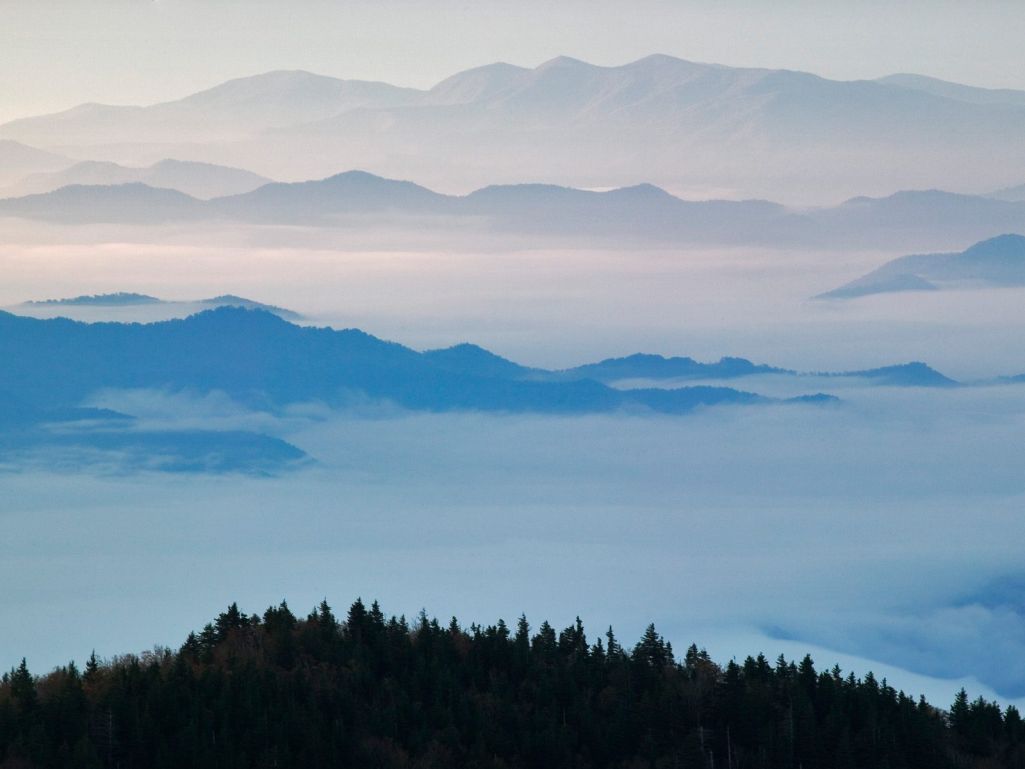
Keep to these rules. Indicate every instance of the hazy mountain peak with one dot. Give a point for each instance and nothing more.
(363, 182)
(119, 298)
(275, 81)
(231, 317)
(643, 190)
(357, 175)
(468, 358)
(664, 63)
(998, 261)
(200, 180)
(1007, 246)
(566, 62)
(913, 374)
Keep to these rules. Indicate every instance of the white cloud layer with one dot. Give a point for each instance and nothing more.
(875, 532)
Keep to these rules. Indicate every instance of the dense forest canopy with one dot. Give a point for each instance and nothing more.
(369, 691)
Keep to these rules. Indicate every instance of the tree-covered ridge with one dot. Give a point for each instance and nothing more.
(371, 691)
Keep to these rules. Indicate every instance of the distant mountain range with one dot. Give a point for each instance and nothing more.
(119, 299)
(129, 299)
(642, 213)
(265, 362)
(681, 125)
(261, 361)
(471, 359)
(998, 261)
(199, 180)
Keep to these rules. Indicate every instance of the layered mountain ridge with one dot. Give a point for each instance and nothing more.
(677, 123)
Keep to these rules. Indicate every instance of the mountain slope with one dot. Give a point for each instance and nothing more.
(915, 374)
(998, 261)
(133, 203)
(19, 160)
(470, 359)
(199, 180)
(345, 193)
(229, 111)
(945, 89)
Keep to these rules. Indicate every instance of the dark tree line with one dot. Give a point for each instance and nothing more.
(371, 691)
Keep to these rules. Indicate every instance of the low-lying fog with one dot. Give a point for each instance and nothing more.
(883, 532)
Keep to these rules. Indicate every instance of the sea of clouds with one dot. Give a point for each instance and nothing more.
(882, 533)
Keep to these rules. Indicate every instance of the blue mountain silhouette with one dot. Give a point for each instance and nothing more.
(265, 362)
(998, 261)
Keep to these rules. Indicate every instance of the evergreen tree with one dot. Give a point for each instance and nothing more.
(275, 691)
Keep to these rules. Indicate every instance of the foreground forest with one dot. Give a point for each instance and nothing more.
(370, 691)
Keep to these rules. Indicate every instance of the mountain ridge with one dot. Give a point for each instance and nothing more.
(263, 361)
(573, 121)
(638, 213)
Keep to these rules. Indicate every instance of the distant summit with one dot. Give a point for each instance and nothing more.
(351, 192)
(129, 299)
(230, 300)
(646, 366)
(119, 299)
(914, 374)
(998, 261)
(200, 180)
(471, 359)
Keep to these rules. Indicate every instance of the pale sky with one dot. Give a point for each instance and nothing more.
(59, 53)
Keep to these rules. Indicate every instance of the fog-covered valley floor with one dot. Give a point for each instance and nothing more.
(881, 533)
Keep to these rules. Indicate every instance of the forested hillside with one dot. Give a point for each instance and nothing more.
(369, 691)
